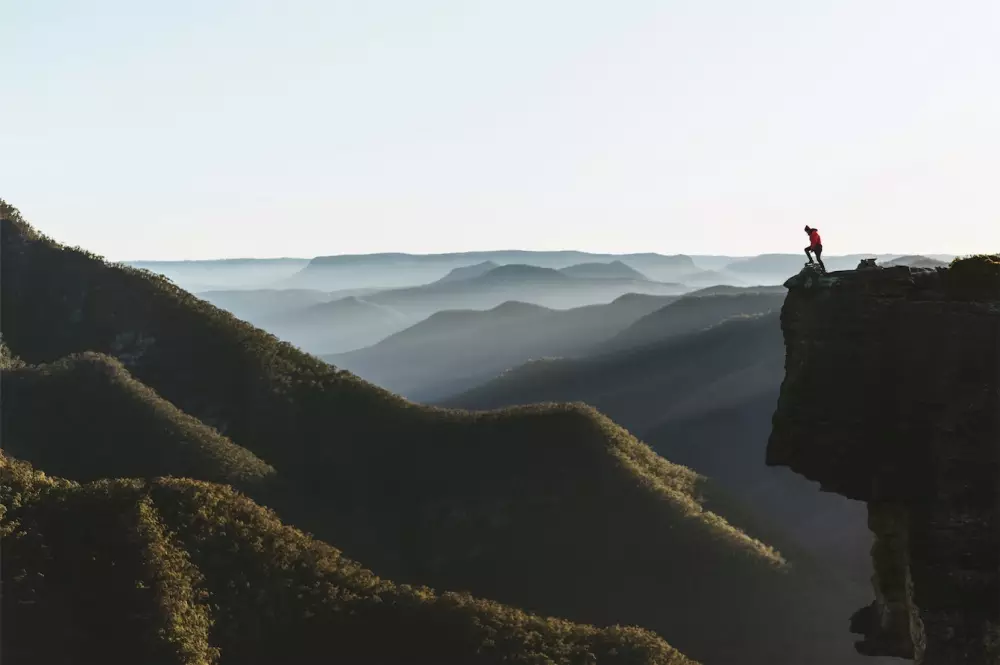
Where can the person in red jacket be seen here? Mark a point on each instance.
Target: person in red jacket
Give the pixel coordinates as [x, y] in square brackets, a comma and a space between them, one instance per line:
[815, 247]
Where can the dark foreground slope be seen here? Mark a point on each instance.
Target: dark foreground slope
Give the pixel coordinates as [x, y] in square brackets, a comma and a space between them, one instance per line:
[519, 506]
[86, 418]
[186, 572]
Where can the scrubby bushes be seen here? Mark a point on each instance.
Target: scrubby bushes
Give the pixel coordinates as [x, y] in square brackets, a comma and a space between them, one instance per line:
[187, 572]
[975, 276]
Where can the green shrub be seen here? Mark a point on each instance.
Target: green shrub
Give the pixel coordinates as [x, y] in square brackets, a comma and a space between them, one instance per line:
[975, 277]
[187, 572]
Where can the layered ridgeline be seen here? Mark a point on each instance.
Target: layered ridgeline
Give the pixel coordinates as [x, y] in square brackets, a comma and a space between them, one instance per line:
[533, 284]
[203, 275]
[186, 572]
[259, 304]
[650, 363]
[552, 509]
[336, 322]
[84, 416]
[453, 351]
[915, 261]
[403, 270]
[340, 325]
[695, 312]
[705, 399]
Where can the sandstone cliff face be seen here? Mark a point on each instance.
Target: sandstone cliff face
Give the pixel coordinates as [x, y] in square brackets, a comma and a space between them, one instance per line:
[892, 397]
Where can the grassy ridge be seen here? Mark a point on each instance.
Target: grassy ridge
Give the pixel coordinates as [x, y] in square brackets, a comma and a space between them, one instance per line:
[262, 391]
[552, 509]
[108, 425]
[187, 572]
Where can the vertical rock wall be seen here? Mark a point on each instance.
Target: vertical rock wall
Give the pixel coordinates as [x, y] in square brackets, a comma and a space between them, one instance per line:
[892, 396]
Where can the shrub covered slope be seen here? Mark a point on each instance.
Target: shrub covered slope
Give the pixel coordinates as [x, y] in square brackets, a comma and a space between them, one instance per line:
[177, 571]
[552, 509]
[84, 417]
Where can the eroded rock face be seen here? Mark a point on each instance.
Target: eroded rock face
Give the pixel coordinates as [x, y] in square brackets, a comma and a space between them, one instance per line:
[892, 396]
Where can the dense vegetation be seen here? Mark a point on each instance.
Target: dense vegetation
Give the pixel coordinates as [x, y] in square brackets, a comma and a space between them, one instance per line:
[187, 572]
[975, 277]
[705, 400]
[552, 509]
[121, 427]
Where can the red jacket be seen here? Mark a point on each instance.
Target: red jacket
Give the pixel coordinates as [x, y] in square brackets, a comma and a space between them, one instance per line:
[814, 240]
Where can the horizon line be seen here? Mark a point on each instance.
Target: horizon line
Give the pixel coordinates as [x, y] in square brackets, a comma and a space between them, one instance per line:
[522, 251]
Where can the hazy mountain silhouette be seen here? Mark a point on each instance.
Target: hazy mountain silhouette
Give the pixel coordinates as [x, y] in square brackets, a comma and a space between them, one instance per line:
[338, 326]
[694, 312]
[704, 399]
[613, 270]
[553, 509]
[519, 282]
[224, 274]
[453, 351]
[776, 268]
[641, 384]
[915, 261]
[468, 272]
[725, 289]
[257, 305]
[402, 270]
[703, 278]
[181, 571]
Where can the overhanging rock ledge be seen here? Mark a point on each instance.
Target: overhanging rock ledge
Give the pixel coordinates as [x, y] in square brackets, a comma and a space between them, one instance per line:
[891, 396]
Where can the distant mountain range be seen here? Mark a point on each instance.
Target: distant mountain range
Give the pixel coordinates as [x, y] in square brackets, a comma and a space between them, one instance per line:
[224, 274]
[262, 304]
[695, 312]
[704, 397]
[349, 273]
[540, 286]
[553, 509]
[453, 351]
[309, 319]
[776, 268]
[916, 262]
[613, 270]
[402, 270]
[340, 325]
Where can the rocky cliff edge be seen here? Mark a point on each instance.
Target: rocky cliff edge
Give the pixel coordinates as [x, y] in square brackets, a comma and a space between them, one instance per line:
[891, 396]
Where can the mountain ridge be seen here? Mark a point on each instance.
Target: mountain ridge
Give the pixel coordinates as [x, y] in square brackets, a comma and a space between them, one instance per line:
[504, 505]
[80, 385]
[432, 358]
[187, 553]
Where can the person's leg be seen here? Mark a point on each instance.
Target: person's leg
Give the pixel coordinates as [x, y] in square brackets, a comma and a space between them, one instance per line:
[809, 254]
[819, 257]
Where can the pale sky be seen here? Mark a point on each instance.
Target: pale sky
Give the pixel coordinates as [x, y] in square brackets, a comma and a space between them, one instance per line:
[237, 128]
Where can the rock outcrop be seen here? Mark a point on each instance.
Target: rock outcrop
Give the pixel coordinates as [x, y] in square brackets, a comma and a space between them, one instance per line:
[891, 396]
